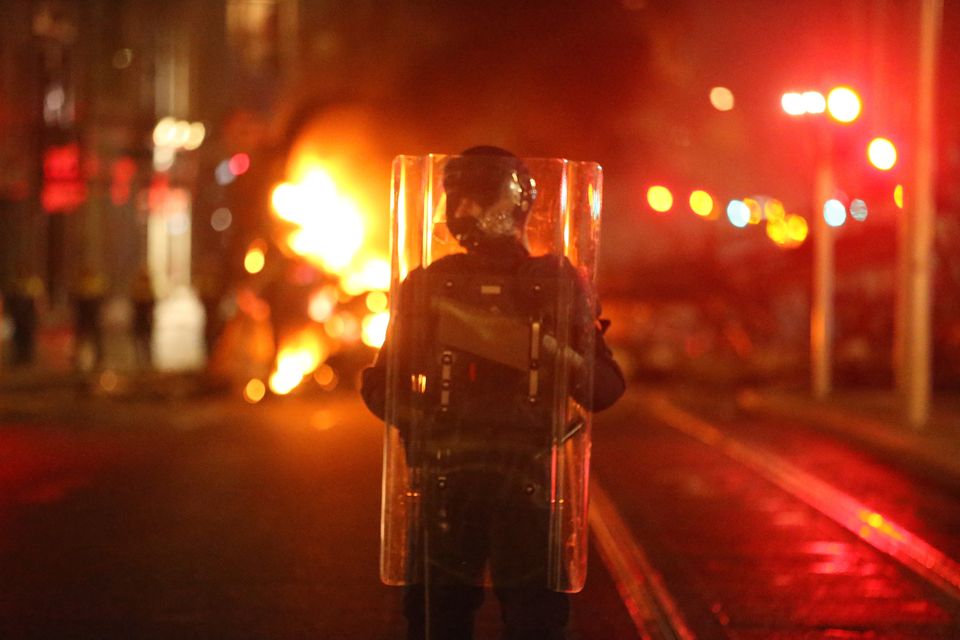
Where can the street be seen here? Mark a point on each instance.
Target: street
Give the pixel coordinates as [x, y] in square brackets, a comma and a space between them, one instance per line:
[205, 517]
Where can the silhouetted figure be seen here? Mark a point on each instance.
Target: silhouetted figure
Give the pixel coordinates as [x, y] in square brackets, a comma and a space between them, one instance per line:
[485, 348]
[88, 297]
[22, 306]
[144, 303]
[210, 289]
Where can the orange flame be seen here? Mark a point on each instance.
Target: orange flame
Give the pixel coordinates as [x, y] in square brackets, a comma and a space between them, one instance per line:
[299, 355]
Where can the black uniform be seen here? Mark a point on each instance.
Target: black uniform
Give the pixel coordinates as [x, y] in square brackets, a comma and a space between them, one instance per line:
[483, 435]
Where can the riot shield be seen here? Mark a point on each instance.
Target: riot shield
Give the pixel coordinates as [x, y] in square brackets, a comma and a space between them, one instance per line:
[488, 362]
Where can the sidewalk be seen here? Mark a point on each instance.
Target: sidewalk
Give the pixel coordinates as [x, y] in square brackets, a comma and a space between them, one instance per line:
[874, 418]
[119, 372]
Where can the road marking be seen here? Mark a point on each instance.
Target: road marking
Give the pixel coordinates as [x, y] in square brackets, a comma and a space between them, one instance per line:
[642, 590]
[868, 524]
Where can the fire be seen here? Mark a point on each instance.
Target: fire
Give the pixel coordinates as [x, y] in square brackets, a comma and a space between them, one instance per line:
[325, 217]
[327, 225]
[298, 357]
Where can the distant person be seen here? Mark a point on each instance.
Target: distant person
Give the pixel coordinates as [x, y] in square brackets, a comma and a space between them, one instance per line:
[144, 303]
[88, 297]
[210, 289]
[487, 352]
[22, 306]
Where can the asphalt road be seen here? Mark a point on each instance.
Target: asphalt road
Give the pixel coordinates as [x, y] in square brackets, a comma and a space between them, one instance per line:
[173, 516]
[205, 518]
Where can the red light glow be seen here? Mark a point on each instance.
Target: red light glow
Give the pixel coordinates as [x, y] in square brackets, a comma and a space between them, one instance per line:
[239, 164]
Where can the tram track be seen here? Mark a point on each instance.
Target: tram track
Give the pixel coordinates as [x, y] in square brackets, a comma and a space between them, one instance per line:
[654, 610]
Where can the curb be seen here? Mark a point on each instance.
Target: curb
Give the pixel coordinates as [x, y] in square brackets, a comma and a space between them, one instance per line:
[934, 449]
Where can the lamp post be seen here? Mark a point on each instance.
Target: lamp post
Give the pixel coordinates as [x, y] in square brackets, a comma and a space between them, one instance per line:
[914, 330]
[843, 105]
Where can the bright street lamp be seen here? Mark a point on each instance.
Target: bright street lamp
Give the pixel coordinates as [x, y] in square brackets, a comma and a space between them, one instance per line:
[882, 154]
[843, 104]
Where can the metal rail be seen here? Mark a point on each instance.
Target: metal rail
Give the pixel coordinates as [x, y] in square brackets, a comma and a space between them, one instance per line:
[867, 523]
[642, 590]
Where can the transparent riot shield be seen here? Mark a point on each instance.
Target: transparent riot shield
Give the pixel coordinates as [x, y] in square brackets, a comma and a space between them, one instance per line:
[488, 379]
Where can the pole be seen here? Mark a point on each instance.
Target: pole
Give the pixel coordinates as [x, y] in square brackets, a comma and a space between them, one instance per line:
[822, 307]
[918, 358]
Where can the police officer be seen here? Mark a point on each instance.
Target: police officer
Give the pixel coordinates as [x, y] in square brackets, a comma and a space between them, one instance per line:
[473, 404]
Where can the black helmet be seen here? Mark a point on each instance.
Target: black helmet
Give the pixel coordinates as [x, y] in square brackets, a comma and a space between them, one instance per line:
[500, 192]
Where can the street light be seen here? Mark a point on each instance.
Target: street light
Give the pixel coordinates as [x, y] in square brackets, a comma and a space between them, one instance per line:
[882, 154]
[843, 104]
[701, 203]
[659, 198]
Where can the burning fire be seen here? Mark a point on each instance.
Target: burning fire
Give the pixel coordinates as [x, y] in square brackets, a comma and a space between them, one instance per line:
[323, 224]
[297, 358]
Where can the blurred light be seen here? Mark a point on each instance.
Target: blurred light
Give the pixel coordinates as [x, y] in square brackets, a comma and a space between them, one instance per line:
[163, 158]
[221, 219]
[593, 198]
[254, 391]
[797, 228]
[335, 327]
[255, 259]
[181, 133]
[329, 225]
[777, 231]
[298, 356]
[376, 301]
[773, 210]
[322, 303]
[898, 196]
[109, 381]
[352, 329]
[122, 58]
[843, 104]
[721, 98]
[326, 377]
[239, 163]
[701, 203]
[834, 212]
[323, 419]
[858, 210]
[178, 223]
[738, 213]
[55, 99]
[173, 134]
[659, 198]
[373, 275]
[756, 211]
[163, 132]
[122, 172]
[374, 329]
[195, 136]
[792, 104]
[882, 154]
[283, 200]
[223, 175]
[814, 102]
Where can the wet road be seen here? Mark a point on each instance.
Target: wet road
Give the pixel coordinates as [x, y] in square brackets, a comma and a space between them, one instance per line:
[208, 518]
[764, 528]
[205, 518]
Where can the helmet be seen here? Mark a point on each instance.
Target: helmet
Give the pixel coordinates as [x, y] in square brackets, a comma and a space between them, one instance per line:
[489, 193]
